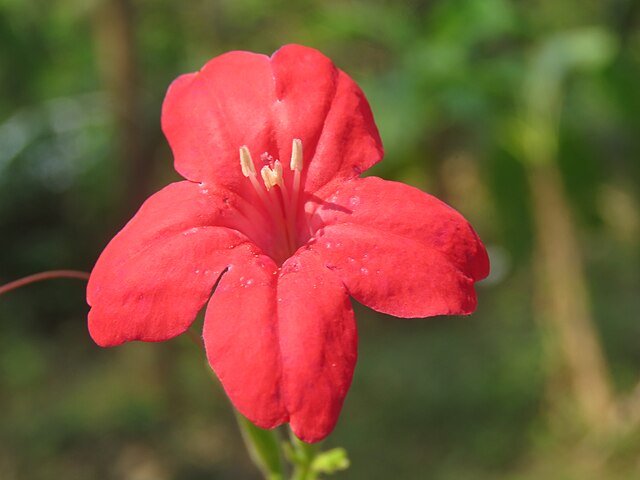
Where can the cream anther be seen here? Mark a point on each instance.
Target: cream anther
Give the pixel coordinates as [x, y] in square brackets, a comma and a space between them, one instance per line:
[246, 162]
[272, 176]
[267, 177]
[280, 205]
[277, 172]
[296, 155]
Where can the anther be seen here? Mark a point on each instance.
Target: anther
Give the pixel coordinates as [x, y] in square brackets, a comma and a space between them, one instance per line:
[246, 162]
[267, 177]
[277, 173]
[296, 155]
[272, 176]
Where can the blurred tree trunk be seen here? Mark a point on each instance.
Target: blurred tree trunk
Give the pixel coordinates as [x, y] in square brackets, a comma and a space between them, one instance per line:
[565, 308]
[115, 44]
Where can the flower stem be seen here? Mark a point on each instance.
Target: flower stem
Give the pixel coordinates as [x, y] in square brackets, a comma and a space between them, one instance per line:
[38, 277]
[264, 448]
[303, 455]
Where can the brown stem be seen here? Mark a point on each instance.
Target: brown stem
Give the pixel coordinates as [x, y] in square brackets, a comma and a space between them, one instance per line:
[38, 277]
[566, 308]
[117, 61]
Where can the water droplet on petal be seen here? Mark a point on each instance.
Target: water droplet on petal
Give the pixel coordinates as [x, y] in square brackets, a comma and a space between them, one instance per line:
[364, 271]
[191, 231]
[250, 281]
[355, 200]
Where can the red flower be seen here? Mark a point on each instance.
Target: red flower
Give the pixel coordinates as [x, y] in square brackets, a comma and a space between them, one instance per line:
[286, 242]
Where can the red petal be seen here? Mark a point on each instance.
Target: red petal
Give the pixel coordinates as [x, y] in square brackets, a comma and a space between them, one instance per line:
[242, 340]
[207, 116]
[243, 98]
[284, 347]
[157, 273]
[326, 109]
[319, 345]
[399, 250]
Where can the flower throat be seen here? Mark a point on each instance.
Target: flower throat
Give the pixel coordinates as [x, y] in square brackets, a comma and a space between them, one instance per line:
[281, 206]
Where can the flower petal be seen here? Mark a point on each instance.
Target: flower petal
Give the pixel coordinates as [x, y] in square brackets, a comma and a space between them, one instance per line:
[158, 272]
[415, 257]
[325, 108]
[243, 98]
[242, 340]
[208, 115]
[284, 346]
[318, 340]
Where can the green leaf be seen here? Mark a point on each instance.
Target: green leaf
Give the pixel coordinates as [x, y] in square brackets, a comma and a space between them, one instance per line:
[331, 461]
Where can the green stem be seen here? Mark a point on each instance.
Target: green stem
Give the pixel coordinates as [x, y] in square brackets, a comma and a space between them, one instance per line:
[304, 454]
[264, 448]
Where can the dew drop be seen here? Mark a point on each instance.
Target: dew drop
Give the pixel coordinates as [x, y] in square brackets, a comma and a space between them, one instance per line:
[355, 200]
[364, 271]
[197, 271]
[250, 281]
[191, 231]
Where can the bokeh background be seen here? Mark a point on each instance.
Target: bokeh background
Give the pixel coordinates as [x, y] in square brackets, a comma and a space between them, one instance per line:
[525, 116]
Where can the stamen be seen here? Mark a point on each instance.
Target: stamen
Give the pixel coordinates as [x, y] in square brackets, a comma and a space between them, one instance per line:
[249, 171]
[267, 177]
[273, 176]
[246, 162]
[296, 166]
[281, 206]
[277, 172]
[296, 155]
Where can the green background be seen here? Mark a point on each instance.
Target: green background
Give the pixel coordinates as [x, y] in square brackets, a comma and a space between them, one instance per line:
[525, 116]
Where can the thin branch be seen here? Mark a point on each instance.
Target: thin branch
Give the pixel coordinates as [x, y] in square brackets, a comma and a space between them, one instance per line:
[38, 277]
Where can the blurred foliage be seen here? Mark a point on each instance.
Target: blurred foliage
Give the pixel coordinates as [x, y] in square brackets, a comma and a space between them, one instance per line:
[450, 82]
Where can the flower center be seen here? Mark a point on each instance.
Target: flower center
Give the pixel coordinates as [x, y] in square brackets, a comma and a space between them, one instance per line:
[280, 204]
